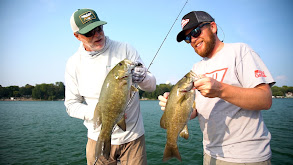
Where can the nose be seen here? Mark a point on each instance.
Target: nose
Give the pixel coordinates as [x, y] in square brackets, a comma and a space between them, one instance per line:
[193, 39]
[98, 33]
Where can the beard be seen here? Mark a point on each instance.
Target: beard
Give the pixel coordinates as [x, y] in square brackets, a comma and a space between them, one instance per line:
[95, 46]
[94, 43]
[210, 43]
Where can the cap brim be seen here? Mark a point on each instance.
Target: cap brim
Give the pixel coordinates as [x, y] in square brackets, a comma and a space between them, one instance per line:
[181, 36]
[91, 27]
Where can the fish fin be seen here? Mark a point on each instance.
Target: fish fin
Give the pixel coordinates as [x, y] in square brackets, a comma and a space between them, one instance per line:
[133, 88]
[122, 124]
[103, 148]
[194, 105]
[97, 117]
[184, 133]
[163, 122]
[181, 99]
[171, 152]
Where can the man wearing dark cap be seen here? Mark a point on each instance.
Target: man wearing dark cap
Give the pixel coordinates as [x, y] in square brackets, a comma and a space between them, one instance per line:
[84, 77]
[233, 89]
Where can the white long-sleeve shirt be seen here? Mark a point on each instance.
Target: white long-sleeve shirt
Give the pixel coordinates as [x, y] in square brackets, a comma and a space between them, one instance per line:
[84, 77]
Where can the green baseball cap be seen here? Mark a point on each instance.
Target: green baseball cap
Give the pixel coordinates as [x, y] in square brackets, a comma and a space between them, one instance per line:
[85, 20]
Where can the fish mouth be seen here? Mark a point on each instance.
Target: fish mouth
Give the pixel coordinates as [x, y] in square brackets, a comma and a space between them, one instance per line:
[124, 77]
[189, 84]
[188, 88]
[130, 64]
[194, 76]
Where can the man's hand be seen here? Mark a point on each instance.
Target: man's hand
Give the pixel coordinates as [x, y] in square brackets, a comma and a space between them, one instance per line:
[138, 73]
[208, 87]
[257, 98]
[163, 100]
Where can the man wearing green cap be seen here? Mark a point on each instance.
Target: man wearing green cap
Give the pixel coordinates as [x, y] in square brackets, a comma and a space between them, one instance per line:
[84, 77]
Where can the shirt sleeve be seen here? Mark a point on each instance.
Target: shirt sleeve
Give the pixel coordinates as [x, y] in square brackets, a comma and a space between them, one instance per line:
[74, 102]
[250, 69]
[149, 83]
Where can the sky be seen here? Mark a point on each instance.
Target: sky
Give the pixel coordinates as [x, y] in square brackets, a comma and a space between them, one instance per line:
[37, 40]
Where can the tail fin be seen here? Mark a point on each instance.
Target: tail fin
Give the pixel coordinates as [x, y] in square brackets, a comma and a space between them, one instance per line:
[103, 148]
[171, 152]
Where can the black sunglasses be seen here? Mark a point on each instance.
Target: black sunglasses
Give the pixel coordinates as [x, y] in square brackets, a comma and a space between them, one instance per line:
[194, 33]
[93, 32]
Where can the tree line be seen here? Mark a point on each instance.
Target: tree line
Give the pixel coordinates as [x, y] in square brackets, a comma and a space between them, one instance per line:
[57, 91]
[281, 91]
[39, 92]
[162, 88]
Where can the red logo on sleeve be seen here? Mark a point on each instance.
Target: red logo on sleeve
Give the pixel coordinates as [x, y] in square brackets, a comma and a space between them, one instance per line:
[259, 73]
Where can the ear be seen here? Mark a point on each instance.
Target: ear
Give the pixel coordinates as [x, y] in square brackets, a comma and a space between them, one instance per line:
[214, 27]
[77, 36]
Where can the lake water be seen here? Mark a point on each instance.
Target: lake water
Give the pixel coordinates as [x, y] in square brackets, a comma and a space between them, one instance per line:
[42, 133]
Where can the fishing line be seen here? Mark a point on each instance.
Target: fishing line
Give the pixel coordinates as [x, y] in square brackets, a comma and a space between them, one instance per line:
[167, 35]
[152, 63]
[222, 32]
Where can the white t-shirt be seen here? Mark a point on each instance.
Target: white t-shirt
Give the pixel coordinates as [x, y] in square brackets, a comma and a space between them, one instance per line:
[84, 77]
[231, 133]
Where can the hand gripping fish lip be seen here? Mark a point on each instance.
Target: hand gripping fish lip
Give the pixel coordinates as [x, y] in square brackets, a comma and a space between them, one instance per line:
[194, 77]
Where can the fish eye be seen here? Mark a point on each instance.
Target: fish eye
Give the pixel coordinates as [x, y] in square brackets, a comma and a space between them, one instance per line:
[120, 64]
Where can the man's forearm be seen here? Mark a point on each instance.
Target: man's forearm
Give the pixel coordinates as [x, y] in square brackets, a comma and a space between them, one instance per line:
[258, 98]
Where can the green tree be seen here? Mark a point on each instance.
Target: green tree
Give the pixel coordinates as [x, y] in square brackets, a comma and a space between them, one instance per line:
[40, 92]
[59, 90]
[160, 89]
[49, 91]
[277, 91]
[4, 92]
[26, 91]
[13, 91]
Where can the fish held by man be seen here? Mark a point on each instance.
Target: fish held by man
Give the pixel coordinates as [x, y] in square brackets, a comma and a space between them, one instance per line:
[115, 94]
[177, 113]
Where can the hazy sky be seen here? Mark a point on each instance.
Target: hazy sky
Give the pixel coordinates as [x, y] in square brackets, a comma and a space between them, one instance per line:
[37, 40]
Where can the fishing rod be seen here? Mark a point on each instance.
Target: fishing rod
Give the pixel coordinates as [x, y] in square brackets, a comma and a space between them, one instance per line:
[167, 35]
[159, 49]
[132, 96]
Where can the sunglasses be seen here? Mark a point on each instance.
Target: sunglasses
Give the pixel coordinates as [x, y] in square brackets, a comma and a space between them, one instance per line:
[194, 33]
[93, 32]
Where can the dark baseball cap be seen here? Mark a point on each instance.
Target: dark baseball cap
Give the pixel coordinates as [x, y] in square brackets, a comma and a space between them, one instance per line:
[192, 20]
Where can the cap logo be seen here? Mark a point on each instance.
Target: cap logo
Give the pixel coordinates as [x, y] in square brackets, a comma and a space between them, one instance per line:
[87, 16]
[184, 22]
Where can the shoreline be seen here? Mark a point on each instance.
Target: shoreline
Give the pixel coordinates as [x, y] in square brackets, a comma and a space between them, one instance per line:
[28, 99]
[143, 99]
